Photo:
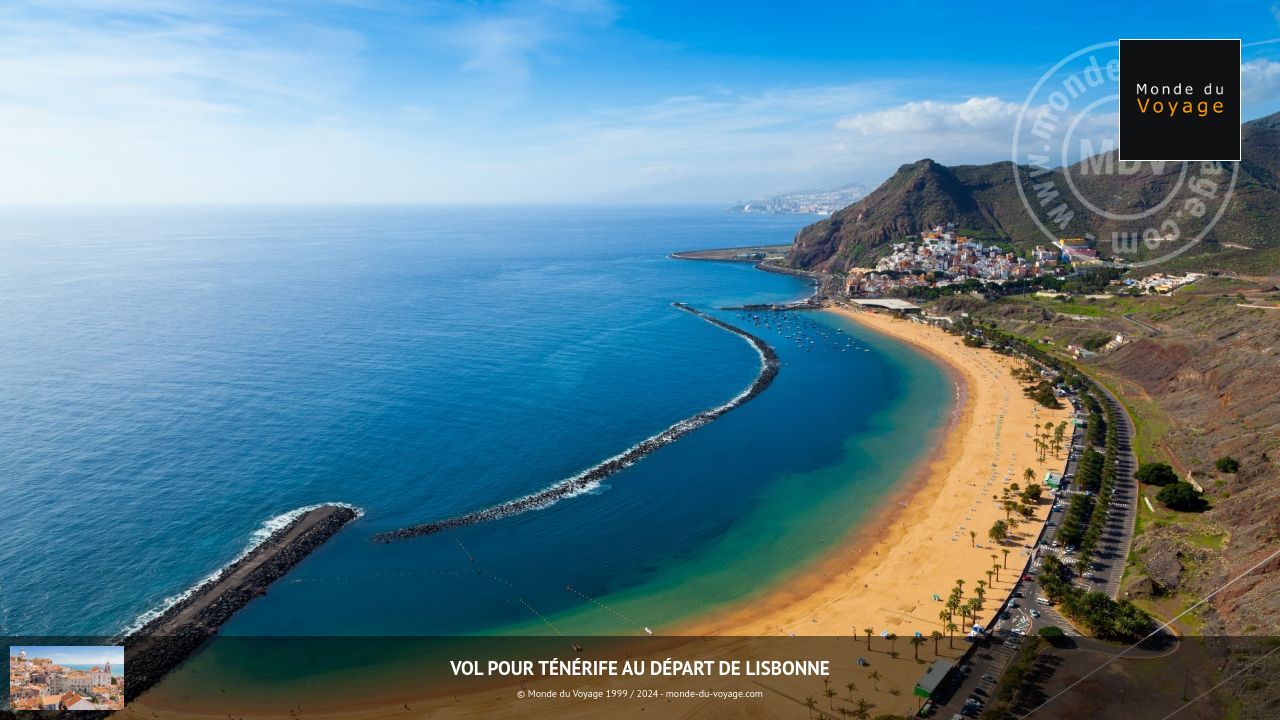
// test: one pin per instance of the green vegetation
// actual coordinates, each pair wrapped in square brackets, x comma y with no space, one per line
[999,531]
[1227,464]
[1054,635]
[1009,689]
[1089,472]
[1042,392]
[1105,617]
[1156,473]
[1182,496]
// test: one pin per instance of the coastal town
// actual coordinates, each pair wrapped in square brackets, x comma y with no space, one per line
[40,683]
[943,257]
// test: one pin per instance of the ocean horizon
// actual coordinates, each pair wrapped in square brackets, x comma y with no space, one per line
[180,377]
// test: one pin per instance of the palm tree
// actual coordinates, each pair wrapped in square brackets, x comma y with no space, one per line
[916,642]
[936,637]
[893,644]
[999,531]
[851,686]
[951,630]
[1029,474]
[868,631]
[810,703]
[1006,556]
[863,711]
[945,616]
[875,678]
[996,568]
[973,538]
[831,697]
[989,574]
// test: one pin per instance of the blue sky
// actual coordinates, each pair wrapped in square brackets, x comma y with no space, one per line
[130,101]
[75,654]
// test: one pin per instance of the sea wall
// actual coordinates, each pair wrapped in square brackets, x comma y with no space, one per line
[159,646]
[590,478]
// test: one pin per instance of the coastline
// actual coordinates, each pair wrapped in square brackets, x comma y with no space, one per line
[899,564]
[882,575]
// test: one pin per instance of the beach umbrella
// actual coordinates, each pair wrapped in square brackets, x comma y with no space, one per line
[918,634]
[884,634]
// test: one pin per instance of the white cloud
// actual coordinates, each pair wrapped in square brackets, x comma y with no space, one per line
[977,114]
[1259,81]
[505,43]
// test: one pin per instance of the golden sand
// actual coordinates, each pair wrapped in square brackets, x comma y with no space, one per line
[886,576]
[883,577]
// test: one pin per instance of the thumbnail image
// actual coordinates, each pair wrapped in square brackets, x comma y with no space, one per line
[66,677]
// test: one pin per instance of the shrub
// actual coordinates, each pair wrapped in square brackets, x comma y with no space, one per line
[1054,635]
[1181,496]
[1227,464]
[1156,474]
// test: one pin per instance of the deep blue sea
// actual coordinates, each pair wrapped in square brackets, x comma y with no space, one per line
[171,379]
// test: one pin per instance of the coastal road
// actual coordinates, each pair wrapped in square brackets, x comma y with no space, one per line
[1117,536]
[1108,564]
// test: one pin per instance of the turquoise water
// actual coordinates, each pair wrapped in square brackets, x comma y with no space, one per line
[174,378]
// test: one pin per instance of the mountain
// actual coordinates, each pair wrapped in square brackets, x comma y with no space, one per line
[983,200]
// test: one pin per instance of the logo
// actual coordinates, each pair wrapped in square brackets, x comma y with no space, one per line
[1098,209]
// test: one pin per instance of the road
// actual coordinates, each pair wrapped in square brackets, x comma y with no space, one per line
[1151,328]
[1023,615]
[1113,549]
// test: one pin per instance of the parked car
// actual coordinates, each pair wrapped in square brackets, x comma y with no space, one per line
[989,677]
[1035,613]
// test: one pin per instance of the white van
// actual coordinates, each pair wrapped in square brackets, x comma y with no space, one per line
[1043,601]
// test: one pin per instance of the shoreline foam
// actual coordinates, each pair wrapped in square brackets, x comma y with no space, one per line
[885,551]
[886,571]
[590,479]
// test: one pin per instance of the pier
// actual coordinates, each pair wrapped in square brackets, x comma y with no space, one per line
[155,649]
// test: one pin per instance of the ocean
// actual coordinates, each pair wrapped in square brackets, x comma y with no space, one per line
[176,378]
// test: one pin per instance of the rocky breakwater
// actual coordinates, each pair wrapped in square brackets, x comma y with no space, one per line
[591,477]
[163,643]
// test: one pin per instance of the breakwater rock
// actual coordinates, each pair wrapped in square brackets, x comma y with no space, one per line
[590,478]
[160,645]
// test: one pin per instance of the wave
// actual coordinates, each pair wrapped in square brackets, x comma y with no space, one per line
[256,538]
[589,479]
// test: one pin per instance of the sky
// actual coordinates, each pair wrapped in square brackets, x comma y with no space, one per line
[75,654]
[545,101]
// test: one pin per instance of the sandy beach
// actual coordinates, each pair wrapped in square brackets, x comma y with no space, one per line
[886,575]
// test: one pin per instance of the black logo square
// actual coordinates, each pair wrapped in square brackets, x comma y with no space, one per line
[1180,100]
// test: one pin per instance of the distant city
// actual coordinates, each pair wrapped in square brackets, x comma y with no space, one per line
[815,202]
